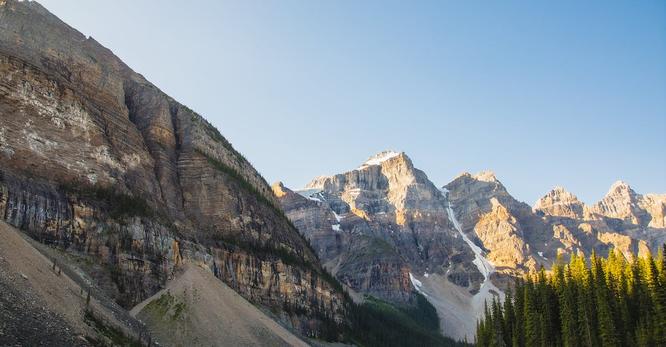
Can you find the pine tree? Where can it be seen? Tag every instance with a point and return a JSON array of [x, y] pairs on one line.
[[607, 329], [606, 302], [567, 298], [509, 319]]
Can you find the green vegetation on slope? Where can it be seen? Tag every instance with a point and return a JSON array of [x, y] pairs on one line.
[[379, 323], [118, 204], [113, 336], [603, 302], [167, 307]]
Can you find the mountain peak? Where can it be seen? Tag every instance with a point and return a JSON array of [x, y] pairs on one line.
[[560, 202], [558, 189], [619, 186], [379, 158], [463, 174], [485, 176]]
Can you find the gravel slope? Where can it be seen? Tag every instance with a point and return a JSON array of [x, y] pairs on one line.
[[197, 309], [40, 306]]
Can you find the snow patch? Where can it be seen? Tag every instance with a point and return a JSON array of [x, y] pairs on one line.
[[480, 261], [379, 158], [308, 192], [336, 227], [417, 284], [311, 194]]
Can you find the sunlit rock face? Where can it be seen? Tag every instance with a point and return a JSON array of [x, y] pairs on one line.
[[519, 238], [499, 223], [622, 202], [98, 160]]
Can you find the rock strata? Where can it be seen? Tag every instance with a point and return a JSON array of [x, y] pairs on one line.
[[97, 160]]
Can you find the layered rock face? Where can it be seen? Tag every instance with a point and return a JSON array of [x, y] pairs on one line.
[[99, 161], [382, 219]]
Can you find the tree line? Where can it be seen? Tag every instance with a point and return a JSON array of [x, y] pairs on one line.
[[597, 301]]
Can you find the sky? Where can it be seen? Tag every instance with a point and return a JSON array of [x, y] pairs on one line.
[[569, 93]]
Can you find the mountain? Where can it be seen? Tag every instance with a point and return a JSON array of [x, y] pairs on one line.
[[461, 245], [389, 198], [100, 163], [384, 229]]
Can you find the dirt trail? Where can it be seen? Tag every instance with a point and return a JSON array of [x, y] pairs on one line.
[[197, 309]]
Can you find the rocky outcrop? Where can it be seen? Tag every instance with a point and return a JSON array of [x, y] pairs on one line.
[[97, 160]]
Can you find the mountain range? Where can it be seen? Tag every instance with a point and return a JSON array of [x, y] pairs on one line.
[[384, 225], [126, 217]]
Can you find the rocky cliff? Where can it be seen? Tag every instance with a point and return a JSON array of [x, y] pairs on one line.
[[97, 160], [361, 261], [496, 221]]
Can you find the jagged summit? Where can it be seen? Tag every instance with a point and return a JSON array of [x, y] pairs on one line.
[[560, 202], [376, 160], [485, 176], [379, 158], [620, 187]]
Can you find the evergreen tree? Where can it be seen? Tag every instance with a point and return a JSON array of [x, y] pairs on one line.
[[603, 302]]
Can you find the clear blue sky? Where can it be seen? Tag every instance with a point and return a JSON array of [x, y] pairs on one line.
[[544, 93]]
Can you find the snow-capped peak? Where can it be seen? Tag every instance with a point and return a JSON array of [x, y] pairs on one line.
[[379, 158]]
